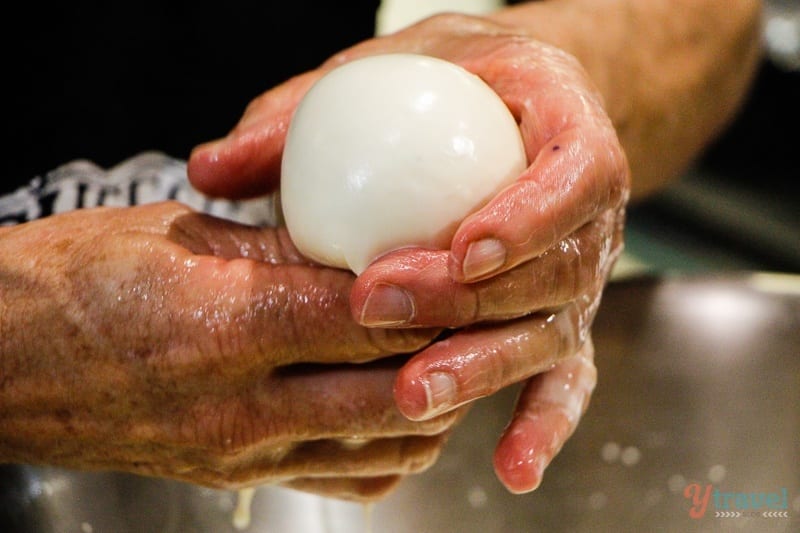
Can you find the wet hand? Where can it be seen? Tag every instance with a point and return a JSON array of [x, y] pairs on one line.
[[524, 275], [160, 341]]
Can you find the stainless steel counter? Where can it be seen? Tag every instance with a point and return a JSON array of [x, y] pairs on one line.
[[699, 391]]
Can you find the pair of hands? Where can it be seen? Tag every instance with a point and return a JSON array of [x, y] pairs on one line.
[[524, 275], [194, 348]]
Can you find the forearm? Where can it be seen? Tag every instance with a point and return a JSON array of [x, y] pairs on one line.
[[672, 72]]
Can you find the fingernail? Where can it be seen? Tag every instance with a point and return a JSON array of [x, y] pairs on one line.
[[440, 392], [539, 467], [533, 478], [483, 257], [387, 305]]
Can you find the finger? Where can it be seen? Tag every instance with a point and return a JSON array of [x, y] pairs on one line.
[[281, 315], [227, 307], [383, 457], [577, 170], [276, 315], [412, 287], [353, 403], [338, 421], [547, 413], [187, 314], [479, 361], [270, 415], [246, 162], [321, 460], [203, 234]]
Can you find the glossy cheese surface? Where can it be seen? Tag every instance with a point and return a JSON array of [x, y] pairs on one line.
[[391, 151]]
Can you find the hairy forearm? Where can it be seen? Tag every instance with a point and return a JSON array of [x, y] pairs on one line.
[[31, 391], [672, 72]]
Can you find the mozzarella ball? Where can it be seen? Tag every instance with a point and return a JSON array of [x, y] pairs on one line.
[[391, 151]]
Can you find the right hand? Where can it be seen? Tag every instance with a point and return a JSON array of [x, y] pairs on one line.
[[160, 341], [523, 276]]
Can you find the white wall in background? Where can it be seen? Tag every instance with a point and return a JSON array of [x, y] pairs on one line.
[[396, 14]]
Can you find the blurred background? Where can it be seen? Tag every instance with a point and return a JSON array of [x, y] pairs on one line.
[[738, 207]]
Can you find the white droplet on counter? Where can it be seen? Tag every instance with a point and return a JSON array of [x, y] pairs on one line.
[[676, 483], [656, 439], [610, 452], [630, 456], [717, 473], [598, 500], [477, 497], [652, 497]]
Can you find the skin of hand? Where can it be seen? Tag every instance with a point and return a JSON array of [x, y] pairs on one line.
[[160, 341], [149, 406], [673, 73], [523, 279], [601, 90]]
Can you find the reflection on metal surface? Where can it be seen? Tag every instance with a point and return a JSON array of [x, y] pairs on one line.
[[782, 33], [693, 427], [714, 315], [777, 283]]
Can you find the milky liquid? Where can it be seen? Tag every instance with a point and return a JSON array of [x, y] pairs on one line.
[[368, 508], [241, 515]]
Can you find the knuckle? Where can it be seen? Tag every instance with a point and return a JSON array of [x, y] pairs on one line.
[[226, 429], [564, 331], [501, 366]]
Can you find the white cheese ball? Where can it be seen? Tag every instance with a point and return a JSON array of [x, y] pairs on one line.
[[391, 151]]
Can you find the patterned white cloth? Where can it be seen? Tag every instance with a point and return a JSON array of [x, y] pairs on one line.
[[145, 178]]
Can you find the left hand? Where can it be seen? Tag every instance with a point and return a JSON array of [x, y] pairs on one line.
[[524, 275], [160, 341]]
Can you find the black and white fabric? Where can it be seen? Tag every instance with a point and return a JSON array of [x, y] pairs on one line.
[[145, 178]]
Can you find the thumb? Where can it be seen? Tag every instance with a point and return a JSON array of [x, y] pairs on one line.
[[246, 162]]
